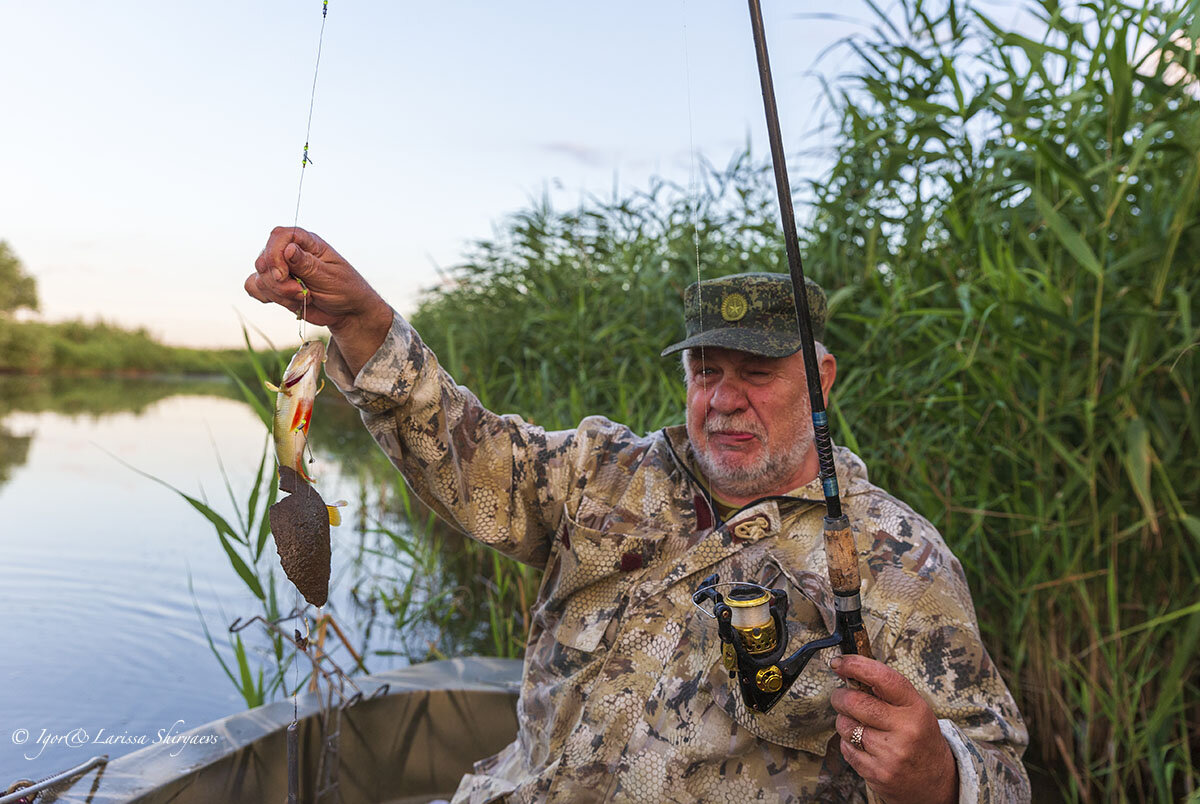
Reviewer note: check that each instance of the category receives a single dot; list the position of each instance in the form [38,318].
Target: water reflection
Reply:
[92,397]
[107,576]
[14,451]
[97,396]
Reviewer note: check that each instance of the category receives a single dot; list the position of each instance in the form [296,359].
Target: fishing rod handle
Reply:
[846,580]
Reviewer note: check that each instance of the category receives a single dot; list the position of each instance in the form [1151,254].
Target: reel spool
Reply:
[752,625]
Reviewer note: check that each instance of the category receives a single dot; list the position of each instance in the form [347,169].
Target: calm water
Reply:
[102,635]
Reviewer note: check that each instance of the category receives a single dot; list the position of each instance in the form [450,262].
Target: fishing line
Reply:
[687,74]
[693,192]
[305,161]
[292,733]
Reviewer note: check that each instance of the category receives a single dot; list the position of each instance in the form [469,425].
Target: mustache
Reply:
[717,422]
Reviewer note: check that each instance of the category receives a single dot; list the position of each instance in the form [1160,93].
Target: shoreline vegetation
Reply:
[78,348]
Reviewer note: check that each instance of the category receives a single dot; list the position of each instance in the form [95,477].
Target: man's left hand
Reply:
[903,756]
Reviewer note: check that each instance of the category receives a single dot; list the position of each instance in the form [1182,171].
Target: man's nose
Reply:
[729,396]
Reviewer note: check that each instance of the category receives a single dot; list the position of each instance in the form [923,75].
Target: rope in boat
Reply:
[26,790]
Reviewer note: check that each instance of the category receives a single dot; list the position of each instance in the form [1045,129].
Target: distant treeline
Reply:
[76,347]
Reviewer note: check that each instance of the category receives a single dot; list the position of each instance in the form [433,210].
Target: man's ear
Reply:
[827,364]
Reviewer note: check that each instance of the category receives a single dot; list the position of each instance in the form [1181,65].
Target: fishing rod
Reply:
[751,620]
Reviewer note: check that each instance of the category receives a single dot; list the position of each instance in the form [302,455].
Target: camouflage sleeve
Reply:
[497,478]
[939,649]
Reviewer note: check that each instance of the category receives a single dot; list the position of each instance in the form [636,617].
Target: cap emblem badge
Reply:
[734,307]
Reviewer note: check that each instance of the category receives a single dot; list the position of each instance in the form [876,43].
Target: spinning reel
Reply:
[752,625]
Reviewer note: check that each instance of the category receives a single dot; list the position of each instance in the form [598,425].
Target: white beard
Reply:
[756,479]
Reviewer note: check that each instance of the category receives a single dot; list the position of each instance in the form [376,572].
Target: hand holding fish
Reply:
[329,293]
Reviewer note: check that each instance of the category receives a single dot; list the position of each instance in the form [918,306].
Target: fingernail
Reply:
[836,662]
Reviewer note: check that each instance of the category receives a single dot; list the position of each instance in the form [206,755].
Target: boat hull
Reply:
[409,741]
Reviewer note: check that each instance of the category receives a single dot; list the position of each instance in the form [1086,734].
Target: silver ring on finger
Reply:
[856,737]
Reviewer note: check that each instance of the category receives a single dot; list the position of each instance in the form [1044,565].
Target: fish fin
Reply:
[275,389]
[335,516]
[319,387]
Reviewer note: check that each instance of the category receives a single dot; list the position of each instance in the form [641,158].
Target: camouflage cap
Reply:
[751,312]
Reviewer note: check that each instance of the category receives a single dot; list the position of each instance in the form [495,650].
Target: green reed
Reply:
[243,541]
[1009,234]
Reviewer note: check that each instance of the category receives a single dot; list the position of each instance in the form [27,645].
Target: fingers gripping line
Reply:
[283,270]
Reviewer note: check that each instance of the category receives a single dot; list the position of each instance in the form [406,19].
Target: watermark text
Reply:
[37,741]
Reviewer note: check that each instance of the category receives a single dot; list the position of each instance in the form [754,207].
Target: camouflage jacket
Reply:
[624,696]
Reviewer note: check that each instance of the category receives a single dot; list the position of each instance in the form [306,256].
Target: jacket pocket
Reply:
[590,577]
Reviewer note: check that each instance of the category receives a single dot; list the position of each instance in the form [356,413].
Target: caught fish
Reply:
[294,406]
[300,521]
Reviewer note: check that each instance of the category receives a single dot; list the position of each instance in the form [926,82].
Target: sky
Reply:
[148,148]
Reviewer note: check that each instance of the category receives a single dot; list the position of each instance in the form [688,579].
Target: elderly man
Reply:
[625,697]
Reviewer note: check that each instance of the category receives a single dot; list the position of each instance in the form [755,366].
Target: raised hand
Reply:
[300,271]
